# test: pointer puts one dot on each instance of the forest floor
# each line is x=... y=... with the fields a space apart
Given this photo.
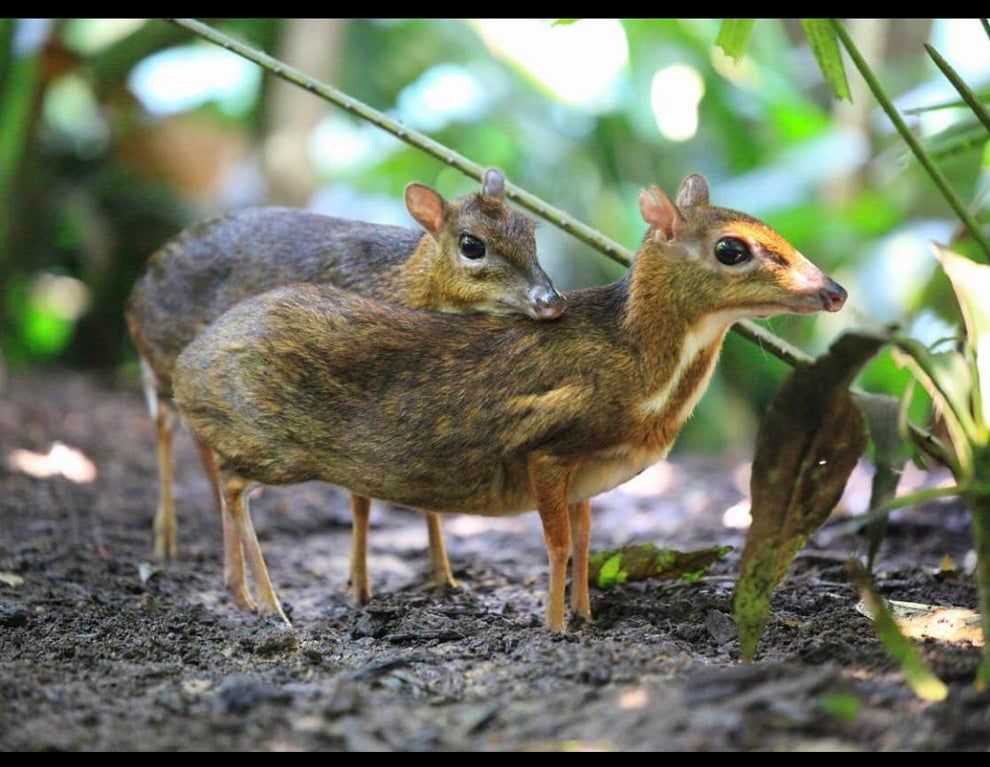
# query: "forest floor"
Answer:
x=102 y=648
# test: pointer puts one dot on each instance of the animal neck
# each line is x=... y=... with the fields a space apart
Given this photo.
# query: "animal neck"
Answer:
x=416 y=280
x=678 y=333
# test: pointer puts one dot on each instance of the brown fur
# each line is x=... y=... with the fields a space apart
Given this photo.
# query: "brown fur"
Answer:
x=479 y=414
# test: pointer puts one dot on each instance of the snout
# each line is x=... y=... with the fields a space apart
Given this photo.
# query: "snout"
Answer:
x=546 y=302
x=833 y=296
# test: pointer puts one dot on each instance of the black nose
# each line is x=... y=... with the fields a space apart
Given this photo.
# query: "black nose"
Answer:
x=833 y=296
x=548 y=303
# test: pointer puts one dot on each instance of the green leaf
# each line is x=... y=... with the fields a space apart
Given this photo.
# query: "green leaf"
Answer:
x=825 y=46
x=890 y=453
x=947 y=378
x=919 y=677
x=641 y=561
x=971 y=283
x=733 y=37
x=563 y=22
x=842 y=706
x=811 y=439
x=982 y=96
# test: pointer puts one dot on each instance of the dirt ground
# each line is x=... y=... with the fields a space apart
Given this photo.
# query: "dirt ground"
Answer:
x=101 y=648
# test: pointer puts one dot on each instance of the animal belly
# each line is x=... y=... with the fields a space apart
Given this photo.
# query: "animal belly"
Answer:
x=598 y=475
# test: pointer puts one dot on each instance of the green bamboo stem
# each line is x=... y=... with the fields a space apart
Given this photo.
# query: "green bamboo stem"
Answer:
x=960 y=85
x=778 y=347
x=911 y=140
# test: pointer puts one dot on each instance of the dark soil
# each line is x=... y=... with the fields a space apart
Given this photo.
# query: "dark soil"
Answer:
x=95 y=656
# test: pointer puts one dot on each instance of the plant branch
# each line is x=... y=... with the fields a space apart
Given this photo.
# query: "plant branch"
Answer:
x=755 y=333
x=911 y=140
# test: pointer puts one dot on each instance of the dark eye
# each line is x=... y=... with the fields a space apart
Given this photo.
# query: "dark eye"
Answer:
x=471 y=247
x=732 y=251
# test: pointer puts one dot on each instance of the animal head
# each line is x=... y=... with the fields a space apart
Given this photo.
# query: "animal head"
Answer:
x=726 y=261
x=485 y=251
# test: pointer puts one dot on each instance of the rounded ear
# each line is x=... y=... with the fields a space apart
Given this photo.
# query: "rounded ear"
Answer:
x=660 y=213
x=493 y=183
x=426 y=206
x=693 y=191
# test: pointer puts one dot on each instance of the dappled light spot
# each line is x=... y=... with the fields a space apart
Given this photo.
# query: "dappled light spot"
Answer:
x=737 y=516
x=635 y=698
x=675 y=94
x=577 y=62
x=60 y=460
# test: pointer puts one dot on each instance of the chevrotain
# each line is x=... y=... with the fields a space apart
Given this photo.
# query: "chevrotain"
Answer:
x=477 y=254
x=485 y=414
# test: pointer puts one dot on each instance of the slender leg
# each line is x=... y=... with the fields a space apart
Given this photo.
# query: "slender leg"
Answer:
x=268 y=601
x=442 y=576
x=360 y=511
x=212 y=472
x=580 y=514
x=165 y=526
x=549 y=480
x=234 y=574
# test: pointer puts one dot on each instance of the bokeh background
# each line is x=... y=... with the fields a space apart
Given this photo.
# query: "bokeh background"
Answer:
x=116 y=133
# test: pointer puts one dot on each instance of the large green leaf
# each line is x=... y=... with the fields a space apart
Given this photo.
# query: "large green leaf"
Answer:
x=971 y=283
x=825 y=46
x=733 y=37
x=811 y=439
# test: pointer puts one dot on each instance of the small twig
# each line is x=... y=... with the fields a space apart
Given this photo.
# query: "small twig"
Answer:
x=911 y=140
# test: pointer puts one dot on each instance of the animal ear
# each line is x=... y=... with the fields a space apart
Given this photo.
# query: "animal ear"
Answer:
x=660 y=213
x=693 y=191
x=493 y=183
x=426 y=206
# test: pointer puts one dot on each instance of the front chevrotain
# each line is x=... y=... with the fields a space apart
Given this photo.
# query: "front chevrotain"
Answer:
x=489 y=414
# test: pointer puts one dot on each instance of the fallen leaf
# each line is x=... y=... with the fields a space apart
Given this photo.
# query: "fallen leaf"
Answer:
x=11 y=579
x=642 y=561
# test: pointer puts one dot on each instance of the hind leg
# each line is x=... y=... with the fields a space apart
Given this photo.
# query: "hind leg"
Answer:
x=165 y=527
x=165 y=524
x=212 y=472
x=235 y=507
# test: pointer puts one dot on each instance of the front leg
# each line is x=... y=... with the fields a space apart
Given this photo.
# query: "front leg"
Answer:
x=439 y=564
x=549 y=479
x=360 y=584
x=580 y=514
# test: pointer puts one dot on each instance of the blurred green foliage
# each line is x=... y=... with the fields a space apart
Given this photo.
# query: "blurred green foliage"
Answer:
x=104 y=176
